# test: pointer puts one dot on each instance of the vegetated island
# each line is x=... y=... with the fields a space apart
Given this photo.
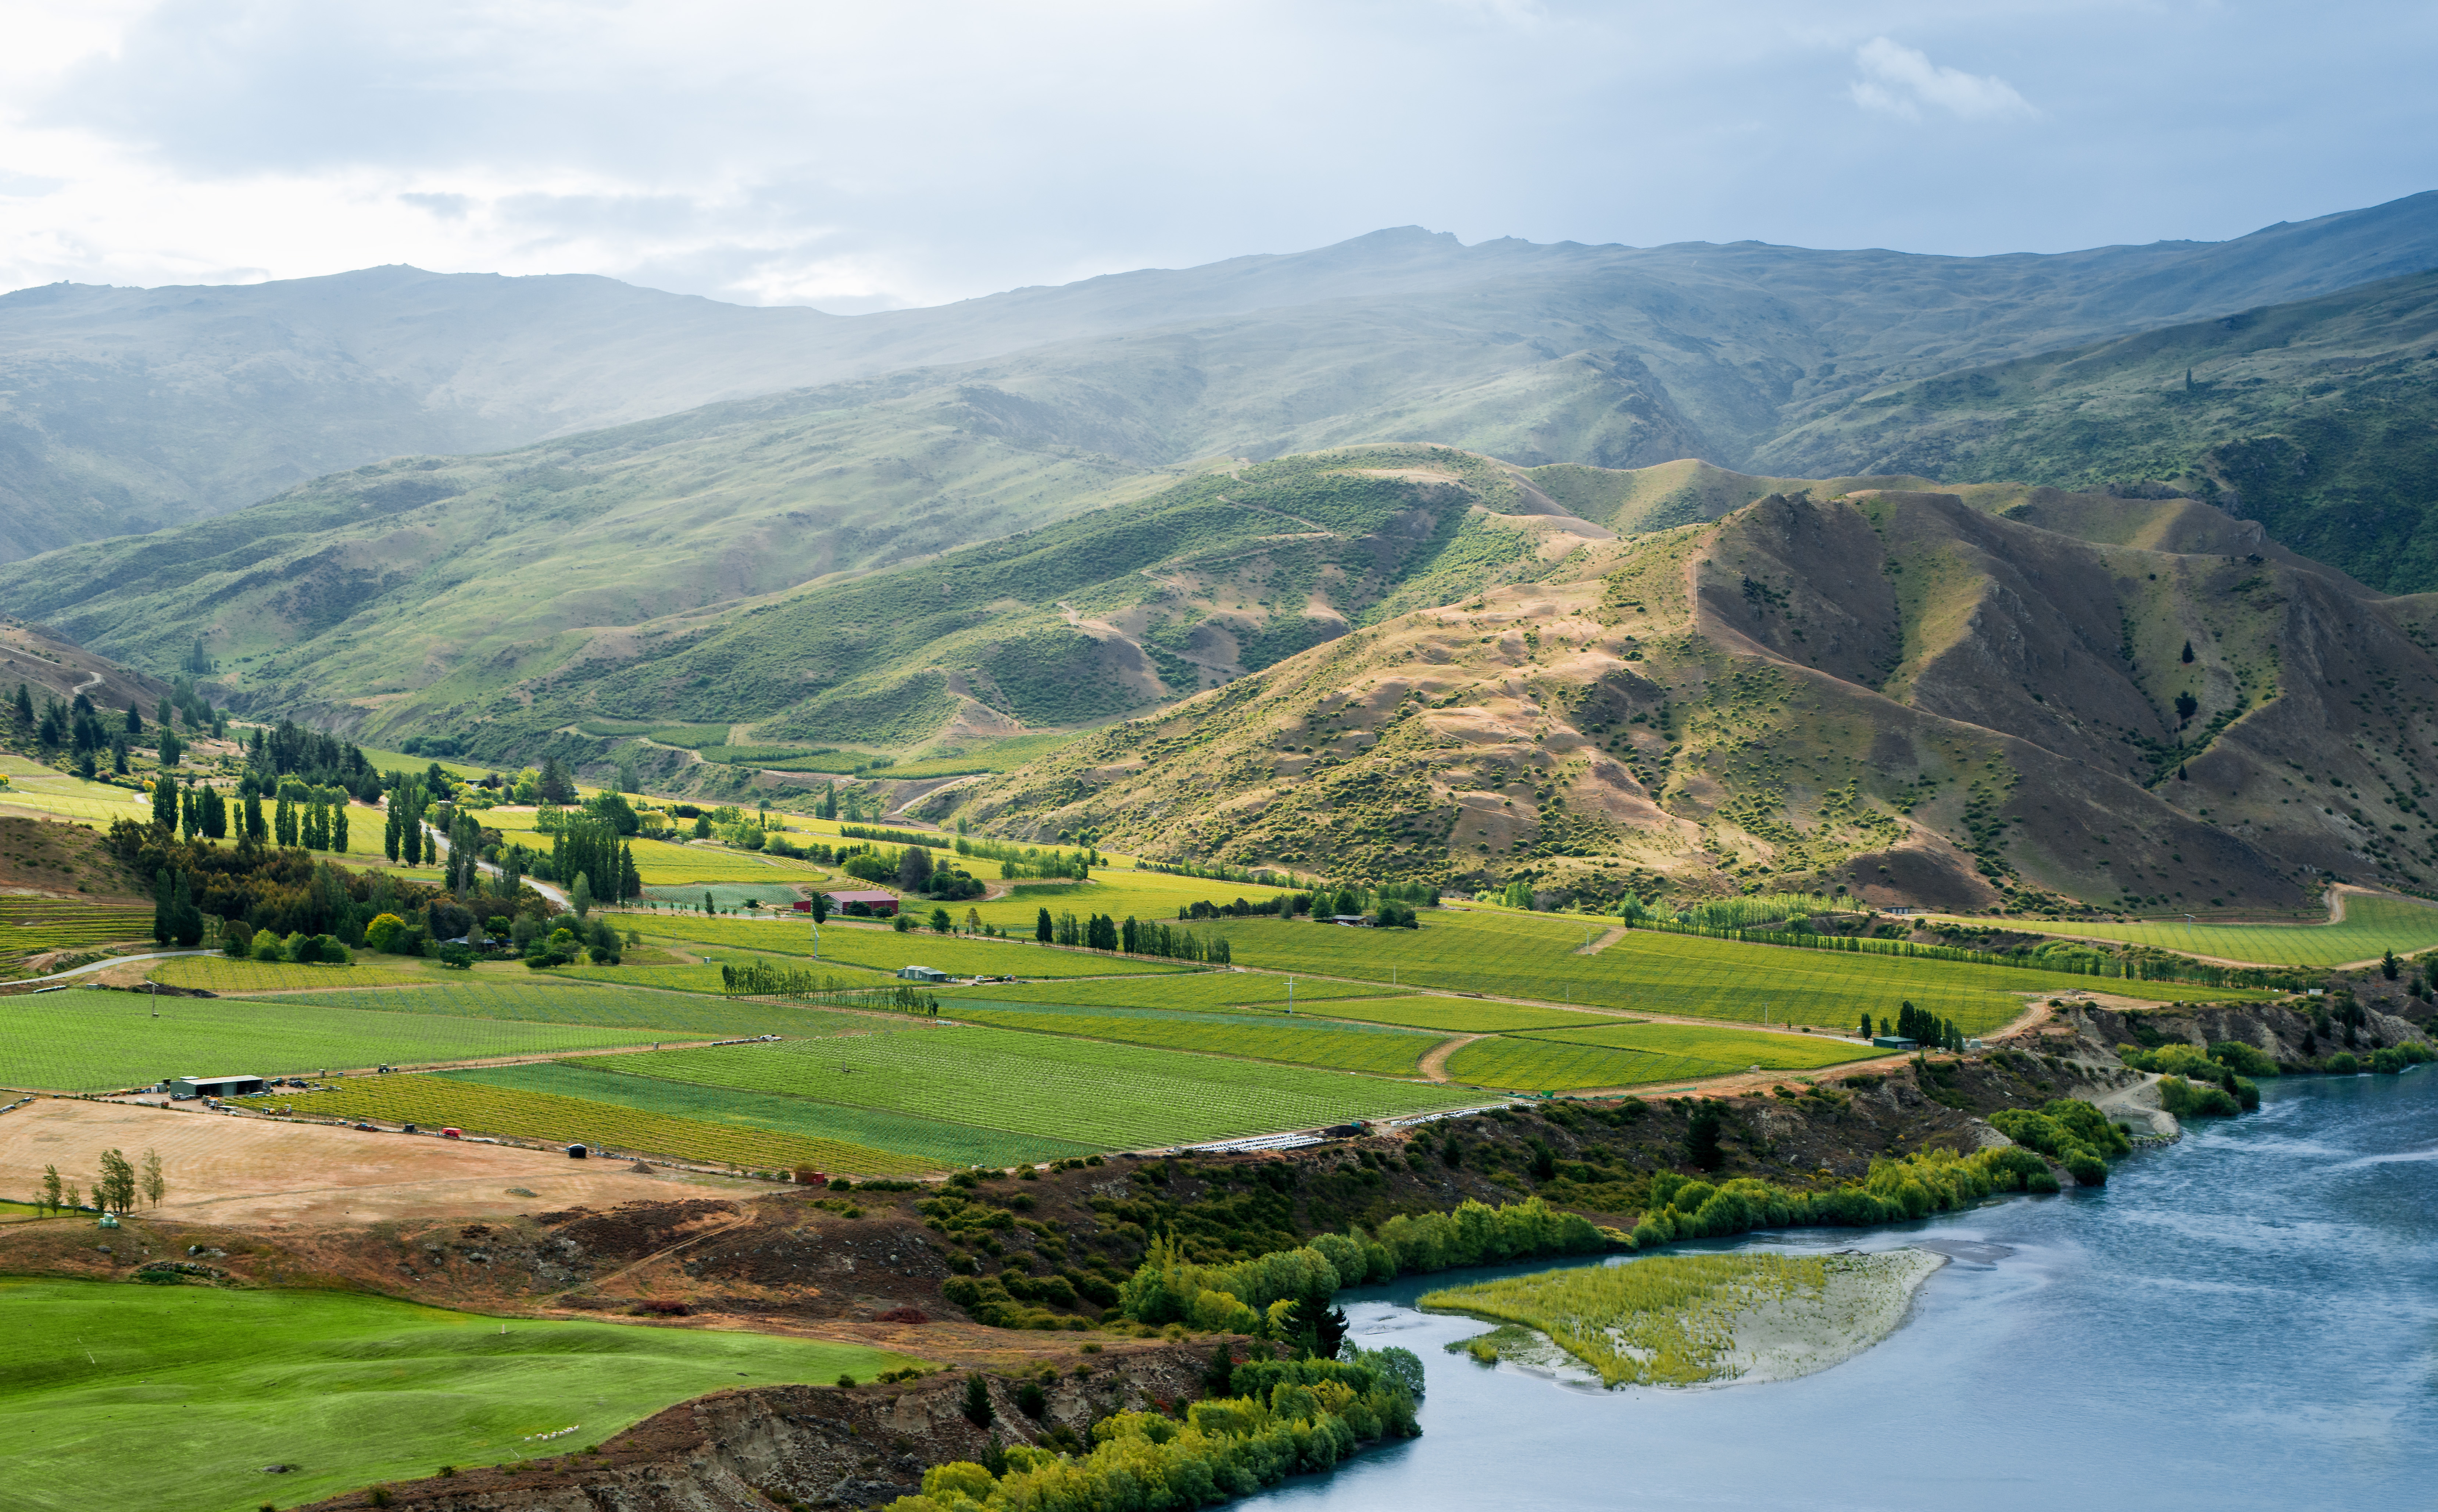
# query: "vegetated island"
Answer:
x=1692 y=1320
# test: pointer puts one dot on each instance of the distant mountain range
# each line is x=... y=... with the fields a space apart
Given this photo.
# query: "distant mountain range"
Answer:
x=1923 y=519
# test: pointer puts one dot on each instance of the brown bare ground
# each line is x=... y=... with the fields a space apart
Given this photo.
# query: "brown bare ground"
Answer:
x=258 y=1172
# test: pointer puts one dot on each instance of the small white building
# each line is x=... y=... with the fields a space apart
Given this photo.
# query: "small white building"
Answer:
x=922 y=974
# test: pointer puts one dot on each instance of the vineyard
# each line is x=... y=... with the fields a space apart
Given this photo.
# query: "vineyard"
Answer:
x=1116 y=892
x=86 y=1040
x=1298 y=1042
x=1111 y=1096
x=436 y=1102
x=1537 y=956
x=926 y=1143
x=886 y=950
x=665 y=1015
x=1733 y=1049
x=1549 y=1065
x=2370 y=925
x=219 y=973
x=1464 y=1015
x=30 y=926
x=1204 y=989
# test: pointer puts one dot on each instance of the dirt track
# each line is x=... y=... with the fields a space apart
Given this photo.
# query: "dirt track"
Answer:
x=223 y=1168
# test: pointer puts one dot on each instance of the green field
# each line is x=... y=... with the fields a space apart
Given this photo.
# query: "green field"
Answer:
x=727 y=896
x=30 y=926
x=40 y=789
x=1534 y=955
x=1551 y=1065
x=1111 y=1096
x=1116 y=892
x=664 y=864
x=220 y=975
x=910 y=1142
x=549 y=1001
x=86 y=1040
x=177 y=1395
x=883 y=949
x=1295 y=1041
x=1734 y=1049
x=2371 y=924
x=519 y=1111
x=1464 y=1015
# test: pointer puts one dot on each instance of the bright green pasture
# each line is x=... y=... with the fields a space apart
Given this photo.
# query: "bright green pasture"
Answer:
x=34 y=786
x=884 y=949
x=727 y=896
x=933 y=1141
x=1113 y=1096
x=1296 y=1041
x=549 y=1001
x=2370 y=925
x=1552 y=1065
x=219 y=973
x=1734 y=1049
x=1206 y=989
x=85 y=1040
x=1535 y=956
x=1116 y=892
x=127 y=1395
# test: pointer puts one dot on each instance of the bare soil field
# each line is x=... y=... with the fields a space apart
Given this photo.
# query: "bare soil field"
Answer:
x=258 y=1173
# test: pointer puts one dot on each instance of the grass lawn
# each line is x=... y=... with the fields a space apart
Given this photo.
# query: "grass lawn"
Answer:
x=220 y=975
x=1295 y=1041
x=2371 y=925
x=85 y=1040
x=127 y=1395
x=911 y=1142
x=1111 y=1096
x=1535 y=956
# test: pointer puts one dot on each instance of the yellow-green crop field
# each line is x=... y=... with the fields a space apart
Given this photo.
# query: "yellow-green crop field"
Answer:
x=1537 y=957
x=39 y=789
x=29 y=926
x=1735 y=1049
x=219 y=973
x=1549 y=1065
x=2371 y=924
x=1206 y=989
x=1115 y=891
x=1298 y=1042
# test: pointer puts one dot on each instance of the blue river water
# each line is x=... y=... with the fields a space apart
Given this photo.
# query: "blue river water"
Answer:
x=2248 y=1318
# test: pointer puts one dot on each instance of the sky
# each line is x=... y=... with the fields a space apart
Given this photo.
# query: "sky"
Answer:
x=860 y=156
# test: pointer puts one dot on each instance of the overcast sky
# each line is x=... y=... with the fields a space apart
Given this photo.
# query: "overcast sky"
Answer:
x=863 y=155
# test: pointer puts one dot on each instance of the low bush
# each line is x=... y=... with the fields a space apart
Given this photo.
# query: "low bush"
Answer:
x=2197 y=1099
x=2341 y=1063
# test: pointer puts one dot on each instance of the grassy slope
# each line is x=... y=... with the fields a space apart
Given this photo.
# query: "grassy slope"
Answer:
x=2371 y=925
x=137 y=1396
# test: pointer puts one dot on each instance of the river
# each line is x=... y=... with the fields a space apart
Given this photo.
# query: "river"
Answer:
x=2248 y=1318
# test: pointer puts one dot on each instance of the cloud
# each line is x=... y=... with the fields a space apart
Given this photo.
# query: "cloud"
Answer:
x=1899 y=81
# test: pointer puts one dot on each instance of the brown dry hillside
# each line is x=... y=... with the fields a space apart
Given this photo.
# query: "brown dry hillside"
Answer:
x=1997 y=696
x=49 y=663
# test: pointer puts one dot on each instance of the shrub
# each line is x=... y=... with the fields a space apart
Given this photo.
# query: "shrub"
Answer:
x=2195 y=1100
x=2086 y=1169
x=2388 y=1062
x=2242 y=1059
x=978 y=1403
x=2343 y=1063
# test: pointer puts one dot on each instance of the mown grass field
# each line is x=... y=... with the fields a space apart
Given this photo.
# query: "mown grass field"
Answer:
x=2370 y=926
x=123 y=1396
x=886 y=950
x=1293 y=1041
x=220 y=975
x=910 y=1140
x=483 y=1107
x=549 y=1001
x=85 y=1040
x=1111 y=1096
x=1533 y=955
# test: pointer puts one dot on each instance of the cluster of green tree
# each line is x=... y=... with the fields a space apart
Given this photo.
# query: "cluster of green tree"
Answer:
x=2071 y=1132
x=561 y=940
x=2180 y=1058
x=588 y=856
x=1263 y=1421
x=1031 y=861
x=917 y=874
x=306 y=818
x=1921 y=1025
x=1749 y=911
x=922 y=837
x=402 y=838
x=1149 y=936
x=197 y=809
x=290 y=749
x=285 y=890
x=176 y=918
x=1260 y=878
x=2387 y=1061
x=113 y=1191
x=1264 y=1294
x=240 y=942
x=2206 y=1100
x=2073 y=960
x=1896 y=1191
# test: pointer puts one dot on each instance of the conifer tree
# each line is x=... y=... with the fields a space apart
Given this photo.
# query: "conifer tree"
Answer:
x=22 y=710
x=135 y=720
x=1042 y=928
x=339 y=828
x=254 y=830
x=165 y=801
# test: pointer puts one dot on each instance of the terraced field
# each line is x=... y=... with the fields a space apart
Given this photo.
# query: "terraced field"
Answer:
x=2371 y=925
x=1111 y=1096
x=1533 y=956
x=886 y=950
x=927 y=1144
x=1296 y=1041
x=515 y=1112
x=31 y=927
x=85 y=1040
x=220 y=975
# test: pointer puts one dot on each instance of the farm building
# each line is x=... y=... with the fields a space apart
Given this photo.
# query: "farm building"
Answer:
x=873 y=901
x=1892 y=1041
x=214 y=1086
x=922 y=974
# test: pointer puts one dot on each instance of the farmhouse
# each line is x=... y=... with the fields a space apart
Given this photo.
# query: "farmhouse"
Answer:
x=873 y=901
x=922 y=974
